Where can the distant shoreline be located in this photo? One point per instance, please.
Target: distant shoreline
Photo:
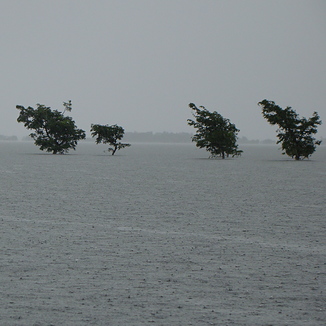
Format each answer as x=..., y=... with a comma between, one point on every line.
x=158, y=137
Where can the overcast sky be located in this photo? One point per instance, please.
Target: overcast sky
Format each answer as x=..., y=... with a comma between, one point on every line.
x=139, y=63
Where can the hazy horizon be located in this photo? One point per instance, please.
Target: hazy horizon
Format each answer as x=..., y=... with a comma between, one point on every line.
x=139, y=64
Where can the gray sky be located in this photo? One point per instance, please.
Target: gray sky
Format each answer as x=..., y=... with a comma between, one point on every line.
x=139, y=63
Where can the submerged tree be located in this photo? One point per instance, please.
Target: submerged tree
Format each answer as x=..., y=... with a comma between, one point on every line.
x=294, y=133
x=54, y=132
x=109, y=135
x=215, y=133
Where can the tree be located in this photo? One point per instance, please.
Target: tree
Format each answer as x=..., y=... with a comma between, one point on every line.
x=215, y=133
x=294, y=133
x=54, y=132
x=109, y=135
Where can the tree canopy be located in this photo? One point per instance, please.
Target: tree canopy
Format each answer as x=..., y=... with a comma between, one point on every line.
x=294, y=133
x=215, y=133
x=53, y=132
x=109, y=135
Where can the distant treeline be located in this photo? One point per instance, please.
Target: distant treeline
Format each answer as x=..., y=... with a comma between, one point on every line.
x=183, y=137
x=149, y=137
x=245, y=140
x=2, y=137
x=159, y=137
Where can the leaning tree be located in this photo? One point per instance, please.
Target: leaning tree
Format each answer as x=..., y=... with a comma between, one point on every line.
x=109, y=135
x=53, y=131
x=294, y=133
x=215, y=133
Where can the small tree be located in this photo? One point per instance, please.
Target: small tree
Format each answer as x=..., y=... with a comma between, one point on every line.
x=54, y=132
x=215, y=133
x=294, y=133
x=109, y=135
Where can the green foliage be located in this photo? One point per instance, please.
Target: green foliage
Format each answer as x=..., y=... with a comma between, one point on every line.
x=215, y=133
x=294, y=133
x=68, y=106
x=109, y=135
x=53, y=132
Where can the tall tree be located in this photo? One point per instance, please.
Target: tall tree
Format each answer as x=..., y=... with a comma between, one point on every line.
x=294, y=133
x=54, y=132
x=215, y=133
x=109, y=135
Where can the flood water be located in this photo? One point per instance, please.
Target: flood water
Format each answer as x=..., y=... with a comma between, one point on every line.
x=161, y=200
x=156, y=183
